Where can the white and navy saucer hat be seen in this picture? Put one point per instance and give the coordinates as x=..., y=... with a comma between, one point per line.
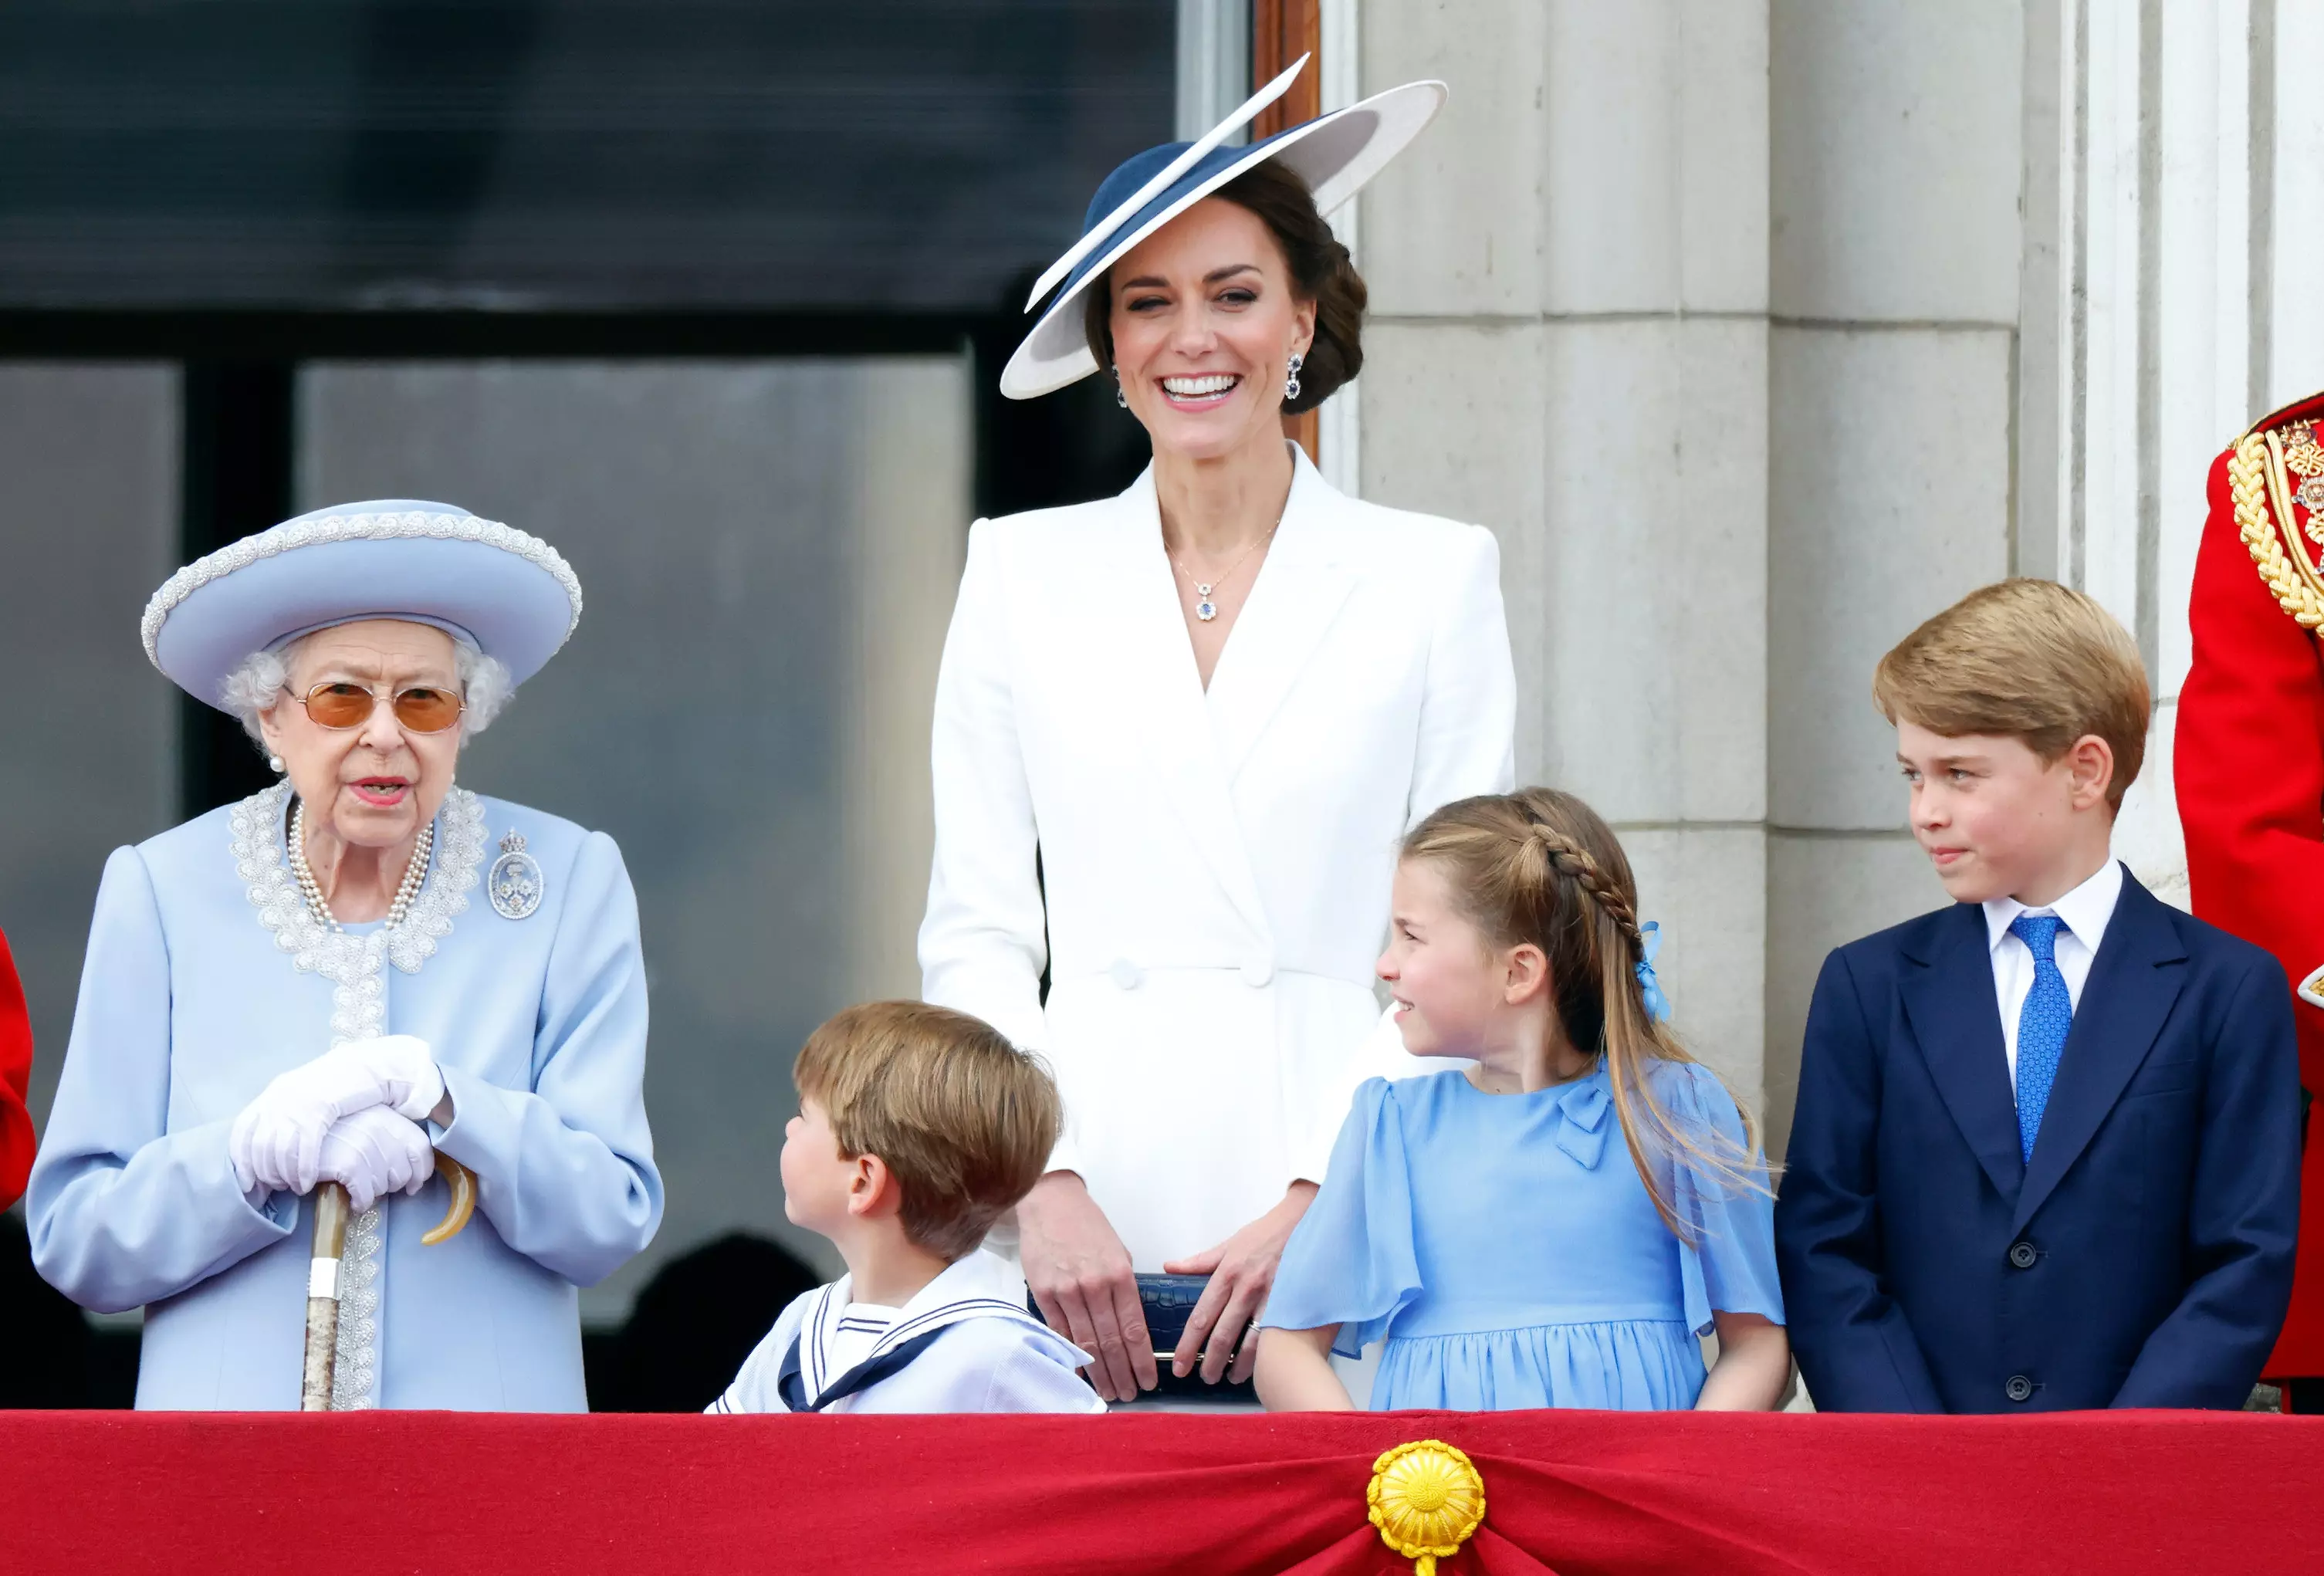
x=491, y=587
x=1333, y=154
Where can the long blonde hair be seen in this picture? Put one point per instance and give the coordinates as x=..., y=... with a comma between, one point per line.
x=1539, y=866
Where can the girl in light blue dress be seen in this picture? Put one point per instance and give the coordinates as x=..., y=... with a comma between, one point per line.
x=1556, y=1224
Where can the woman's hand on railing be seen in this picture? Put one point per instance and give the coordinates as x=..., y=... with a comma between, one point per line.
x=1242, y=1272
x=1079, y=1274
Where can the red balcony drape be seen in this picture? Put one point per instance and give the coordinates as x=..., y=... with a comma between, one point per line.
x=1574, y=1493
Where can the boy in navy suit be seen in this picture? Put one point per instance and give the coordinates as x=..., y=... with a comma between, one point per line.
x=2046, y=1149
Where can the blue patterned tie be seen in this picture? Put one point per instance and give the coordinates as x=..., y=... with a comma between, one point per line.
x=2041, y=1023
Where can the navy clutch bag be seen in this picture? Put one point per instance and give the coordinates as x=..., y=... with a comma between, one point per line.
x=1169, y=1300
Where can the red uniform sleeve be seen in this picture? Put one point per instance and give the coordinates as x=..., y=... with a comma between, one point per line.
x=2250, y=768
x=2249, y=764
x=16, y=1081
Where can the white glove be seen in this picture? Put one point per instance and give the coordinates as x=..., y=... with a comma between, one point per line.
x=405, y=1067
x=277, y=1141
x=375, y=1152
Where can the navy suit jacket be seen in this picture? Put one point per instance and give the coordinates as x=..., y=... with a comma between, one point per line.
x=2143, y=1257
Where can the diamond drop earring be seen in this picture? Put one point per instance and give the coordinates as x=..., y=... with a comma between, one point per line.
x=1291, y=382
x=1120, y=394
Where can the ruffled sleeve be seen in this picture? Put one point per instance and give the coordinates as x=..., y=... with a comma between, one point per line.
x=1350, y=1260
x=1730, y=1267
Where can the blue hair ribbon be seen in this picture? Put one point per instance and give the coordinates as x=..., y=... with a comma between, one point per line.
x=1650, y=941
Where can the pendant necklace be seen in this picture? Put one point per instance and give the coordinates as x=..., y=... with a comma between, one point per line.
x=1205, y=609
x=414, y=874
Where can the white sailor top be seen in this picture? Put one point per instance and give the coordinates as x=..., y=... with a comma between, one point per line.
x=964, y=1344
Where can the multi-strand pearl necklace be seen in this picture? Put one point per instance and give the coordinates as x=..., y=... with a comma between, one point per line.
x=415, y=874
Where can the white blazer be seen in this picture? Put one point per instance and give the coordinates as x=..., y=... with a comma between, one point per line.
x=1205, y=874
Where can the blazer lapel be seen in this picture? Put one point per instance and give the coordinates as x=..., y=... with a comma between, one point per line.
x=1957, y=1023
x=2129, y=994
x=1165, y=690
x=1299, y=591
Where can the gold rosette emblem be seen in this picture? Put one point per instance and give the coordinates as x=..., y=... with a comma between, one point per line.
x=1426, y=1498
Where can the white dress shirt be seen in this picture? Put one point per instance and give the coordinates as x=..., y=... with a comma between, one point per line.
x=2083, y=914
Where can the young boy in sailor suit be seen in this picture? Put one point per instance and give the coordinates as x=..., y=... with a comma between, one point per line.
x=918, y=1127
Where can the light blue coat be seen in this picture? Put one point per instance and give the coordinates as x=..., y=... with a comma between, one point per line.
x=190, y=1005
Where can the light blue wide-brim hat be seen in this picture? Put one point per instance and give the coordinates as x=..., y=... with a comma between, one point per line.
x=1333, y=154
x=491, y=586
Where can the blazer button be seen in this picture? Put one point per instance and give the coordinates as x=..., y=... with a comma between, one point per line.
x=1127, y=974
x=1256, y=970
x=2022, y=1254
x=2018, y=1388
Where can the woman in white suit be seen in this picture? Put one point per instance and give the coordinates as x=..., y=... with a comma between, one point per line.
x=1179, y=733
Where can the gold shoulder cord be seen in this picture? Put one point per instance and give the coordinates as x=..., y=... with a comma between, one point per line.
x=2254, y=482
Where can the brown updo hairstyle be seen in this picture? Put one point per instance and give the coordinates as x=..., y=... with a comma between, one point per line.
x=1540, y=866
x=1320, y=271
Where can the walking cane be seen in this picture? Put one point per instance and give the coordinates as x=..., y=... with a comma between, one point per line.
x=323, y=1271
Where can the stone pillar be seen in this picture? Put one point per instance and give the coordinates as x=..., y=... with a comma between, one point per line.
x=1894, y=282
x=1570, y=343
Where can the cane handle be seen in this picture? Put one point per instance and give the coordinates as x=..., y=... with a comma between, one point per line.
x=463, y=1182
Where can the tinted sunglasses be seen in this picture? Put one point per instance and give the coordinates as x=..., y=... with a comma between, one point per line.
x=426, y=710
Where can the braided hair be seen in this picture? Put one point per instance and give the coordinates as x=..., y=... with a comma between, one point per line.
x=1539, y=867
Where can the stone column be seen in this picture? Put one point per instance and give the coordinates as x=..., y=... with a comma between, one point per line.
x=1570, y=345
x=1894, y=264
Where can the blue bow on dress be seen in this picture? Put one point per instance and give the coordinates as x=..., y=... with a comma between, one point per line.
x=1582, y=1122
x=1650, y=941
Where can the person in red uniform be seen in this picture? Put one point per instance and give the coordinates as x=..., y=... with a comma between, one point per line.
x=2249, y=766
x=15, y=1079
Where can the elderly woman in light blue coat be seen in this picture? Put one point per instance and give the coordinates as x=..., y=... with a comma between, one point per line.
x=343, y=973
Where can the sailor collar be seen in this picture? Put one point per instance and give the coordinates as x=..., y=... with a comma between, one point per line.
x=966, y=1289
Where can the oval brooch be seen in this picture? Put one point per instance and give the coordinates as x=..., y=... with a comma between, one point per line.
x=516, y=884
